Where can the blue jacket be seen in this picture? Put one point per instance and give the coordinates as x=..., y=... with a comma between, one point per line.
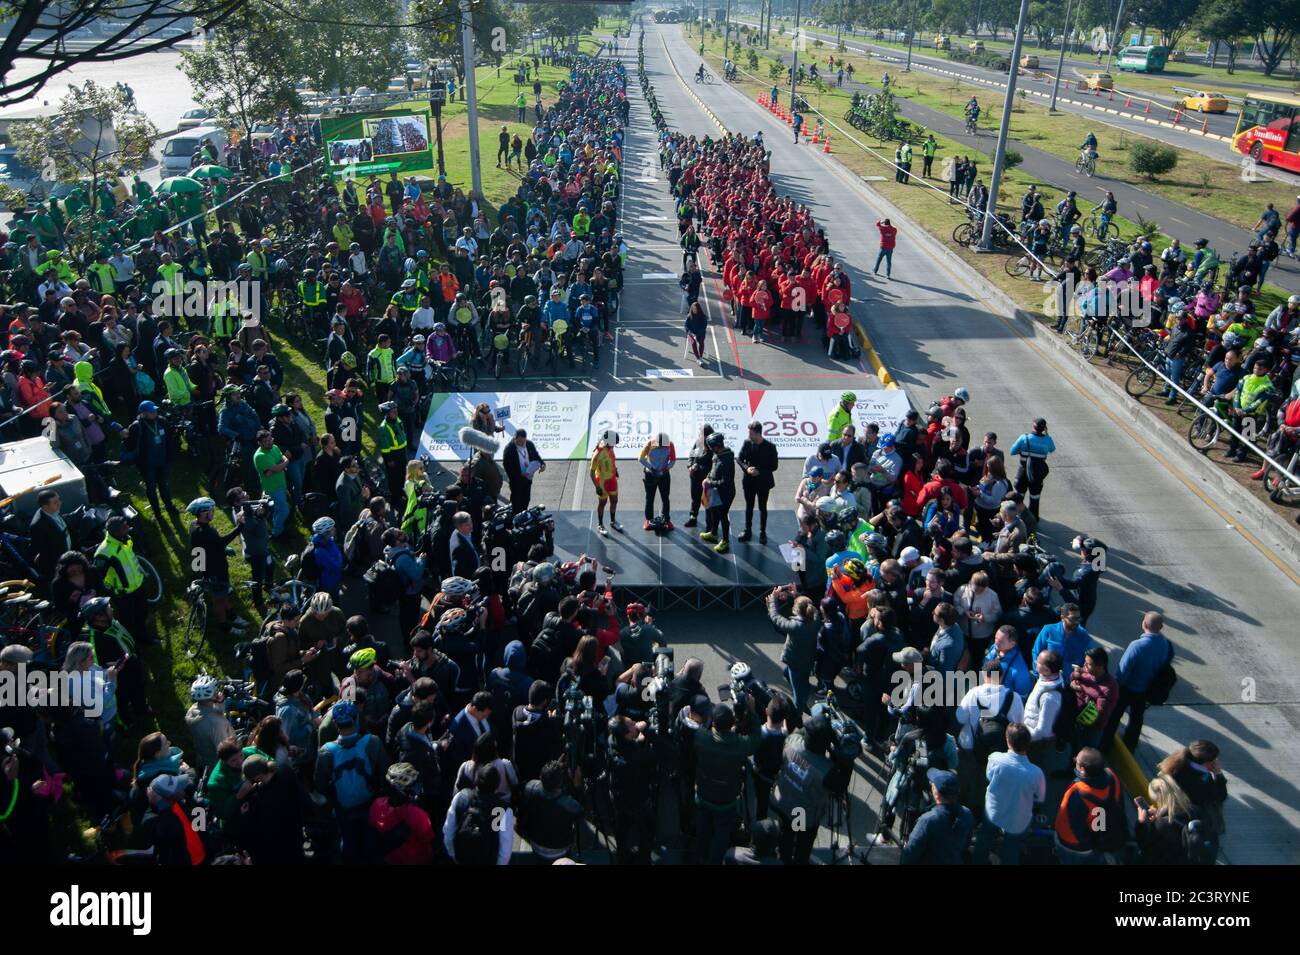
x=1037, y=445
x=1142, y=660
x=514, y=675
x=939, y=836
x=329, y=561
x=1071, y=648
x=238, y=422
x=1015, y=672
x=409, y=567
x=553, y=312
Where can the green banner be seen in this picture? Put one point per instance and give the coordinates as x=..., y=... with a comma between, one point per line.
x=377, y=142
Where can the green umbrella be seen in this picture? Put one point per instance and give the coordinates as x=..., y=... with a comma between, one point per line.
x=179, y=184
x=210, y=172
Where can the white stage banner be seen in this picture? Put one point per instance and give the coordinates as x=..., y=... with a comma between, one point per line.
x=795, y=421
x=556, y=422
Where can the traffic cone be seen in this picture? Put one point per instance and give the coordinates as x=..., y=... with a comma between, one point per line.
x=815, y=135
x=827, y=148
x=1148, y=109
x=1128, y=104
x=1205, y=126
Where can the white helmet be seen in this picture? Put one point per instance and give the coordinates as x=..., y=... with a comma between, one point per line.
x=610, y=437
x=457, y=587
x=204, y=688
x=1293, y=300
x=961, y=394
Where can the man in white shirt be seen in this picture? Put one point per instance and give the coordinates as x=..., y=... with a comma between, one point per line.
x=984, y=712
x=468, y=242
x=1015, y=787
x=123, y=266
x=422, y=318
x=1043, y=705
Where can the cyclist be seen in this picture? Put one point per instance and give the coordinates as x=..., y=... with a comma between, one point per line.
x=972, y=111
x=311, y=295
x=699, y=74
x=1253, y=394
x=1039, y=245
x=1108, y=209
x=1067, y=213
x=1088, y=148
x=208, y=561
x=1074, y=248
x=1204, y=260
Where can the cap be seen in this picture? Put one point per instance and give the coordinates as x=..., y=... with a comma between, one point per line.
x=907, y=657
x=944, y=781
x=146, y=407
x=168, y=787
x=909, y=554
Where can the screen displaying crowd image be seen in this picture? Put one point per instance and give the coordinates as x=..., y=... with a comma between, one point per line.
x=379, y=143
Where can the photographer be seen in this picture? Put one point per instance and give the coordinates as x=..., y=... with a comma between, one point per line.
x=766, y=761
x=633, y=768
x=799, y=622
x=537, y=731
x=250, y=517
x=636, y=641
x=549, y=814
x=799, y=798
x=941, y=834
x=721, y=760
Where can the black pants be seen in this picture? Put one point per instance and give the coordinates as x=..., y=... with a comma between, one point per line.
x=926, y=163
x=132, y=609
x=1136, y=706
x=1033, y=472
x=521, y=495
x=634, y=826
x=755, y=493
x=395, y=472
x=796, y=845
x=408, y=616
x=697, y=492
x=718, y=519
x=656, y=483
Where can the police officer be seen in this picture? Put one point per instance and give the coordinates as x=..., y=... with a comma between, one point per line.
x=114, y=644
x=391, y=442
x=123, y=577
x=1033, y=447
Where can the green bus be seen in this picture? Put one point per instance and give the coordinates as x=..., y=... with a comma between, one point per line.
x=1143, y=59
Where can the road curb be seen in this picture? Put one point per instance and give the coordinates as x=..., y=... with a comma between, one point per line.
x=690, y=92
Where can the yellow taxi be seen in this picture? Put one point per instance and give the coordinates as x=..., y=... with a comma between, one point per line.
x=1204, y=102
x=1099, y=81
x=1029, y=62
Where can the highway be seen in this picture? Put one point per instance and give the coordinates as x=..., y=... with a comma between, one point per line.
x=1231, y=603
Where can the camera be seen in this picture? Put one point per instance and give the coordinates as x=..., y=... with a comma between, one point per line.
x=579, y=717
x=744, y=683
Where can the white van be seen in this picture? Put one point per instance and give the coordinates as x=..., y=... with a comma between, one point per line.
x=176, y=150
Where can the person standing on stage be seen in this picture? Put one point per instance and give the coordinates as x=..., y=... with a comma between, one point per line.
x=758, y=462
x=657, y=459
x=604, y=475
x=700, y=461
x=720, y=488
x=521, y=461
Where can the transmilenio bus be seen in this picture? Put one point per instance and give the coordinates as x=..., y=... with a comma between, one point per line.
x=1268, y=130
x=1143, y=59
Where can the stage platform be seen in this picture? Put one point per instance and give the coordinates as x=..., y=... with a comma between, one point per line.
x=677, y=569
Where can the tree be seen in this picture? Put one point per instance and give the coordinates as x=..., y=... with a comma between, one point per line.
x=345, y=44
x=1046, y=19
x=1223, y=22
x=496, y=31
x=90, y=139
x=1275, y=28
x=229, y=73
x=947, y=16
x=1172, y=18
x=1151, y=159
x=49, y=38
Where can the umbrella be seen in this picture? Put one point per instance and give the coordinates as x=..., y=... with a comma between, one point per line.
x=210, y=172
x=179, y=184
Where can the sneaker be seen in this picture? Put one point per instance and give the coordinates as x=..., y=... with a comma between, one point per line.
x=1259, y=475
x=746, y=536
x=609, y=337
x=690, y=522
x=709, y=537
x=600, y=529
x=762, y=537
x=668, y=525
x=616, y=525
x=645, y=525
x=721, y=548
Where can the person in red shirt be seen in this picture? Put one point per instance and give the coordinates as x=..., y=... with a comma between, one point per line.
x=760, y=308
x=888, y=234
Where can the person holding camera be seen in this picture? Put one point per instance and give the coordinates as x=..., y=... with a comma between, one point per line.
x=250, y=518
x=798, y=621
x=633, y=765
x=799, y=796
x=941, y=834
x=721, y=760
x=699, y=464
x=208, y=561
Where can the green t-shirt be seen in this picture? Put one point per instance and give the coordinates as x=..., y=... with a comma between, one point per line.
x=269, y=458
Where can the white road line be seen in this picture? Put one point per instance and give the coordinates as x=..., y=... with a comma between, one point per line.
x=617, y=333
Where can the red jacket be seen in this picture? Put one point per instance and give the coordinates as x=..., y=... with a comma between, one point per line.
x=934, y=487
x=887, y=235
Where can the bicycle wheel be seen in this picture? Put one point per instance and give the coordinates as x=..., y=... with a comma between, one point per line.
x=1278, y=486
x=1203, y=433
x=1017, y=266
x=1078, y=165
x=1140, y=381
x=465, y=378
x=196, y=626
x=524, y=356
x=1088, y=342
x=153, y=587
x=499, y=365
x=964, y=234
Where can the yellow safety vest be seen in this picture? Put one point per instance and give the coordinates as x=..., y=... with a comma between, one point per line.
x=392, y=436
x=122, y=562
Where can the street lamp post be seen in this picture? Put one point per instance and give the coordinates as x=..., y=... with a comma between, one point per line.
x=467, y=47
x=1110, y=52
x=999, y=156
x=726, y=34
x=911, y=35
x=794, y=66
x=1060, y=63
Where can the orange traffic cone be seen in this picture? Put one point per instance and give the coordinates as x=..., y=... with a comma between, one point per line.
x=827, y=148
x=816, y=133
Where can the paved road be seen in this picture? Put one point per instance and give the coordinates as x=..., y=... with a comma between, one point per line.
x=1183, y=221
x=1131, y=119
x=1230, y=609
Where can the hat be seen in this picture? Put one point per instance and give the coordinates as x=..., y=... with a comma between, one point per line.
x=909, y=554
x=907, y=657
x=168, y=787
x=944, y=781
x=94, y=607
x=278, y=409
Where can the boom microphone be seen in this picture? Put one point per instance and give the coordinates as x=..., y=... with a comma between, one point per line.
x=478, y=441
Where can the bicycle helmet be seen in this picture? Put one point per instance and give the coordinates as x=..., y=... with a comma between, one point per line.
x=876, y=541
x=716, y=441
x=203, y=688
x=835, y=511
x=1044, y=224
x=146, y=407
x=543, y=573
x=388, y=406
x=886, y=442
x=610, y=437
x=362, y=659
x=201, y=504
x=322, y=525
x=849, y=396
x=458, y=587
x=454, y=621
x=439, y=328
x=855, y=570
x=1233, y=340
x=306, y=273
x=403, y=777
x=282, y=265
x=961, y=394
x=1075, y=230
x=344, y=713
x=1293, y=300
x=279, y=409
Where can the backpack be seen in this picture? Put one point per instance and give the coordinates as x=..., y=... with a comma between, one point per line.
x=352, y=777
x=1063, y=725
x=542, y=653
x=256, y=653
x=991, y=731
x=314, y=506
x=1198, y=844
x=1163, y=682
x=476, y=840
x=307, y=568
x=384, y=581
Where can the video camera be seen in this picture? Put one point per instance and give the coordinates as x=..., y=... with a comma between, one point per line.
x=517, y=533
x=659, y=720
x=579, y=719
x=744, y=683
x=846, y=743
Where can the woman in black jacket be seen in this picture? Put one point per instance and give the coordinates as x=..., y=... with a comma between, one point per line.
x=800, y=624
x=701, y=460
x=720, y=486
x=1160, y=828
x=1195, y=768
x=758, y=461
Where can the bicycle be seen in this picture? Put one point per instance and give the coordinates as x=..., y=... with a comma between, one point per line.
x=1084, y=333
x=454, y=375
x=704, y=77
x=972, y=125
x=559, y=346
x=1094, y=227
x=194, y=635
x=1280, y=488
x=1203, y=433
x=1086, y=164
